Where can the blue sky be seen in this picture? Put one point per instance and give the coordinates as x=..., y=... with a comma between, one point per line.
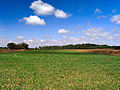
x=59, y=22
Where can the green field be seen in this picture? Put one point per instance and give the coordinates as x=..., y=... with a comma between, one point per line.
x=59, y=70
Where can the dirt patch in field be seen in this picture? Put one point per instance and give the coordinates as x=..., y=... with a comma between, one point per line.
x=8, y=50
x=99, y=51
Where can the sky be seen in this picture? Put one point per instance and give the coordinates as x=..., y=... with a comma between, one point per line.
x=59, y=22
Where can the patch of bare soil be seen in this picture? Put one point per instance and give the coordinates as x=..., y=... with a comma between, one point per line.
x=8, y=50
x=99, y=51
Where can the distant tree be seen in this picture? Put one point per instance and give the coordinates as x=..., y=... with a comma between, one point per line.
x=17, y=46
x=79, y=46
x=11, y=45
x=23, y=45
x=39, y=47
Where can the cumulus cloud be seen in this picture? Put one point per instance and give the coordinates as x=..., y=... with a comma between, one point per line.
x=61, y=14
x=36, y=43
x=41, y=8
x=93, y=34
x=115, y=19
x=97, y=33
x=34, y=20
x=63, y=31
x=97, y=11
x=20, y=37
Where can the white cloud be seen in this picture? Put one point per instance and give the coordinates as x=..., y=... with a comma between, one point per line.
x=92, y=35
x=60, y=14
x=41, y=8
x=20, y=37
x=63, y=31
x=30, y=41
x=34, y=20
x=97, y=33
x=97, y=11
x=115, y=19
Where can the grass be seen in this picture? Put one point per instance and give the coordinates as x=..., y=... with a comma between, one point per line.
x=59, y=70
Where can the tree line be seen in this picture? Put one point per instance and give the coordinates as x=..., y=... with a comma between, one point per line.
x=71, y=46
x=79, y=46
x=18, y=46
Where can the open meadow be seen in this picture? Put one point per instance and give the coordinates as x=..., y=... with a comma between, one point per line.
x=59, y=70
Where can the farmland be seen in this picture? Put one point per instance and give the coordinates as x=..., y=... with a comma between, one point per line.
x=59, y=69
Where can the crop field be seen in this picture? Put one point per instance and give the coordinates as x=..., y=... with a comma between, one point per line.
x=58, y=70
